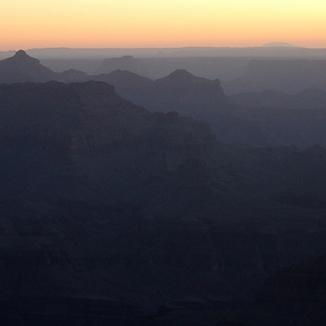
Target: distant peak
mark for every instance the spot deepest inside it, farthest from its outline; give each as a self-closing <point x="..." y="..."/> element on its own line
<point x="181" y="73"/>
<point x="21" y="53"/>
<point x="22" y="56"/>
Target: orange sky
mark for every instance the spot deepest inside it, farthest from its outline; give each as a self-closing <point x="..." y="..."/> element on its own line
<point x="158" y="23"/>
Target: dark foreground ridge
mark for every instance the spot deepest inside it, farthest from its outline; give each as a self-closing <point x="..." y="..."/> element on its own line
<point x="107" y="207"/>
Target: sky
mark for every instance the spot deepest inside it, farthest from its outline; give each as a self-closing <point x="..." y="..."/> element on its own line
<point x="160" y="23"/>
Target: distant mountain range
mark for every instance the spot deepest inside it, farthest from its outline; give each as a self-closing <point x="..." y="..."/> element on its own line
<point x="180" y="91"/>
<point x="266" y="50"/>
<point x="262" y="118"/>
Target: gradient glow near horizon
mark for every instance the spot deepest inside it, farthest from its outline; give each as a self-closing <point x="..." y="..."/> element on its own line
<point x="158" y="23"/>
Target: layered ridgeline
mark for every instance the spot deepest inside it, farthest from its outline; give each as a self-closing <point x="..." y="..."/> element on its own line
<point x="107" y="206"/>
<point x="180" y="91"/>
<point x="258" y="118"/>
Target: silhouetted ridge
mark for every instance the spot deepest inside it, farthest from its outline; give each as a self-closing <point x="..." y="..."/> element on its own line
<point x="21" y="67"/>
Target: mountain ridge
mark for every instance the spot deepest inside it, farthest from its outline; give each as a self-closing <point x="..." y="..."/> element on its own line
<point x="21" y="67"/>
<point x="260" y="118"/>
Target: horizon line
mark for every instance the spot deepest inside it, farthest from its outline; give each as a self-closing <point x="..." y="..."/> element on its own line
<point x="265" y="46"/>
